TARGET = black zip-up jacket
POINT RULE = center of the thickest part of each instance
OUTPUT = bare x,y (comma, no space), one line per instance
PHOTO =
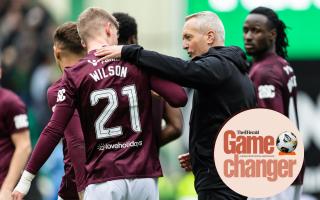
222,89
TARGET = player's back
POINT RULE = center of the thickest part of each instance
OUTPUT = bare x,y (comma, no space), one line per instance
114,103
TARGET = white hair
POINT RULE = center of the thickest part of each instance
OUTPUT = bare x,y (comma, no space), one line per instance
209,20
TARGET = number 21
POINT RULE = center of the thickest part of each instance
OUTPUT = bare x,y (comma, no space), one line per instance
111,95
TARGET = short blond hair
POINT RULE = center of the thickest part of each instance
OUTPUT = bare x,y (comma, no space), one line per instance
91,19
209,20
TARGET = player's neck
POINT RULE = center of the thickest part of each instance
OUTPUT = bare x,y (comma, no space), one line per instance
97,44
69,61
263,55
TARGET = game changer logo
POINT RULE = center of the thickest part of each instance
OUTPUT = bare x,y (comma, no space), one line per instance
261,148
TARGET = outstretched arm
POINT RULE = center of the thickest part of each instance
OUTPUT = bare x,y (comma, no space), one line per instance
198,73
49,138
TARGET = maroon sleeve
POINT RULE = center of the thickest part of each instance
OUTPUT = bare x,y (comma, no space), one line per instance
49,138
54,131
269,88
171,92
76,150
16,115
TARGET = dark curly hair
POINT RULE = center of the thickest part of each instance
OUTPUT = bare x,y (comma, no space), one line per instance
274,22
127,27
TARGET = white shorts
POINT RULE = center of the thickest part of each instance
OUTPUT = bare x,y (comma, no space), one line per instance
291,193
124,189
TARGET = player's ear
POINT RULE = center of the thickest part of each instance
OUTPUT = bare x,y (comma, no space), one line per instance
83,44
56,52
210,37
273,34
107,29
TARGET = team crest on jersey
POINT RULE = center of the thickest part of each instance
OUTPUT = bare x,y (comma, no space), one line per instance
61,97
266,91
93,62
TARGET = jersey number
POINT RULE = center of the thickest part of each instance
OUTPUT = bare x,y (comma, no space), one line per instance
112,105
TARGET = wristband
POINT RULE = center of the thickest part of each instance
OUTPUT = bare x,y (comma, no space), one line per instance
25,182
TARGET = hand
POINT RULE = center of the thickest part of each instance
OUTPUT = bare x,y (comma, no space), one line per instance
108,52
185,163
23,185
17,195
5,194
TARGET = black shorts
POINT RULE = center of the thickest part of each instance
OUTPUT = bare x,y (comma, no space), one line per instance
220,194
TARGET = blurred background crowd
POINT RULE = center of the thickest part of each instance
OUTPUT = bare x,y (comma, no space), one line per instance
26,28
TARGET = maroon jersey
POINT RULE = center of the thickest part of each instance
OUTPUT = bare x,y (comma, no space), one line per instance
114,103
68,189
13,119
275,85
276,88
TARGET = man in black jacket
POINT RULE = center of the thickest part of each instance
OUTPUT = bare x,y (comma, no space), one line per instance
222,88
